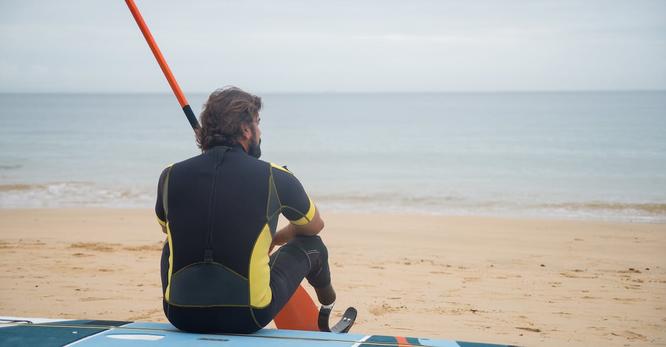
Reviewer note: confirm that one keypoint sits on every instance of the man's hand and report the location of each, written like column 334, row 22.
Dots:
column 287, row 233
column 283, row 236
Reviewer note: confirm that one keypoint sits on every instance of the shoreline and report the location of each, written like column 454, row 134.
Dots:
column 526, row 281
column 611, row 212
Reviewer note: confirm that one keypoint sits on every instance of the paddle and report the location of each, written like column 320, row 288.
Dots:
column 163, row 65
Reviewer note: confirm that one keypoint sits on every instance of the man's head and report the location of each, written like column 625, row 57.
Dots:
column 229, row 117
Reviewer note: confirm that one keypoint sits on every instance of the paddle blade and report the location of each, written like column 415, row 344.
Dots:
column 300, row 313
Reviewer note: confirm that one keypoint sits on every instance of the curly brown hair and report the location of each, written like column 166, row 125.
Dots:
column 223, row 114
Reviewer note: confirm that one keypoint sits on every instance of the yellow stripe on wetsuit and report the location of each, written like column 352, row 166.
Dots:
column 281, row 168
column 307, row 218
column 260, row 272
column 170, row 242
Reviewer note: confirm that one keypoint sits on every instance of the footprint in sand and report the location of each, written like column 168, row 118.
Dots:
column 145, row 248
column 534, row 330
column 628, row 300
column 21, row 244
column 432, row 262
column 90, row 298
column 145, row 315
column 95, row 246
column 630, row 335
column 378, row 310
column 590, row 297
column 575, row 274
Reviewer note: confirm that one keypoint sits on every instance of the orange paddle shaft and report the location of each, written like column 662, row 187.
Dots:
column 163, row 64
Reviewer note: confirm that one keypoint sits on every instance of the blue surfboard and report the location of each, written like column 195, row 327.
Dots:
column 40, row 332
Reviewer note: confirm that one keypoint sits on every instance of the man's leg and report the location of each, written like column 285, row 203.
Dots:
column 302, row 257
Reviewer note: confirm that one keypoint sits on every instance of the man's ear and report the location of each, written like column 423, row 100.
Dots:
column 247, row 132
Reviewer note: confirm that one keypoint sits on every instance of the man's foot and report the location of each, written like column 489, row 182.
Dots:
column 325, row 295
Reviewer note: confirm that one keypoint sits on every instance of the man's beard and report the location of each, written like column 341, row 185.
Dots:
column 254, row 149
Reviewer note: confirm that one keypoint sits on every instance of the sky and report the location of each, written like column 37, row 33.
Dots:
column 334, row 46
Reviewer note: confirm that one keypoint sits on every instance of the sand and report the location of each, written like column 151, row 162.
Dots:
column 519, row 281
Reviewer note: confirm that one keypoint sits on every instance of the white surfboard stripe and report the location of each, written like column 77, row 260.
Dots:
column 361, row 341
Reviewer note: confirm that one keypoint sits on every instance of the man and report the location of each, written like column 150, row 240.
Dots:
column 220, row 211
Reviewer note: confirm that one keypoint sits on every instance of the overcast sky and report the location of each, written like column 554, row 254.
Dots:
column 341, row 46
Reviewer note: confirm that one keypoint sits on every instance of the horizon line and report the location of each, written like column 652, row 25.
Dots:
column 345, row 92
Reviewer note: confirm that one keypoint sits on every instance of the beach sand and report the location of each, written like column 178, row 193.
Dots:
column 520, row 281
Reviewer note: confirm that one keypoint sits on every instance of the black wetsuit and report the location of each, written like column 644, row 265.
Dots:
column 220, row 210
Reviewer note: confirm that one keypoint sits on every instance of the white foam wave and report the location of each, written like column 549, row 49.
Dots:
column 87, row 194
column 74, row 194
column 649, row 212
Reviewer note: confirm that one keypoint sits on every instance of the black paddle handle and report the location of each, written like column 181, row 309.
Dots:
column 194, row 123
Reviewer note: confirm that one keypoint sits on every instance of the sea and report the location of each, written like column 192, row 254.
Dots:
column 572, row 155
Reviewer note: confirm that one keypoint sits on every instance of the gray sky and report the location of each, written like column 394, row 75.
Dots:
column 342, row 46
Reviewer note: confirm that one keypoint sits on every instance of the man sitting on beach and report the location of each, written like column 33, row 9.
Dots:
column 220, row 212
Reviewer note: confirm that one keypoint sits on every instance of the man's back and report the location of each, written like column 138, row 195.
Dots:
column 224, row 205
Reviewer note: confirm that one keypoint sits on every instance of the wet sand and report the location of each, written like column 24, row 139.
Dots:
column 521, row 281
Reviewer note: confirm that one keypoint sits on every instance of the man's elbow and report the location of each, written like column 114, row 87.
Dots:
column 312, row 228
column 319, row 225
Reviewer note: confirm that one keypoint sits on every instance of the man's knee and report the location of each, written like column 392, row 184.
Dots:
column 309, row 244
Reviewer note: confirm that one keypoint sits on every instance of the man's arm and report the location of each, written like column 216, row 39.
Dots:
column 298, row 208
column 313, row 227
column 288, row 232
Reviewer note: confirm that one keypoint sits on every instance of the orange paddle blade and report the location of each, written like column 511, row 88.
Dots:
column 300, row 313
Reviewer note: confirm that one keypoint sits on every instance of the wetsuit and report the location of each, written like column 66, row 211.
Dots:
column 220, row 210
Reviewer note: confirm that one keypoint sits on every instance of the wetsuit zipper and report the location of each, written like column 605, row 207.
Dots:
column 208, row 251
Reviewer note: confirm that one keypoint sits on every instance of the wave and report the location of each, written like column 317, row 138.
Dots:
column 73, row 194
column 19, row 187
column 651, row 208
column 10, row 166
column 88, row 194
column 460, row 205
column 389, row 198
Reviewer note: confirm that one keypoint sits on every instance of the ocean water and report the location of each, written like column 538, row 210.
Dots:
column 589, row 155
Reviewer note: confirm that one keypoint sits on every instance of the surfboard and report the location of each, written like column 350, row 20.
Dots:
column 43, row 332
